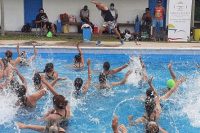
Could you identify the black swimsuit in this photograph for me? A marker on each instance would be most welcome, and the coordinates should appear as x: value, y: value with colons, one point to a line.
x: 51, y: 77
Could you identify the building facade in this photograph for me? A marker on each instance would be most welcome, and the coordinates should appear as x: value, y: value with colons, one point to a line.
x: 19, y: 12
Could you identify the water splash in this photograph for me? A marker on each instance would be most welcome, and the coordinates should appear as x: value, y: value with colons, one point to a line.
x: 191, y: 101
x: 136, y: 67
x: 7, y: 106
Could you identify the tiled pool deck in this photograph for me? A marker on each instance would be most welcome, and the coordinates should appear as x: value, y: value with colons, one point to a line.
x: 106, y: 45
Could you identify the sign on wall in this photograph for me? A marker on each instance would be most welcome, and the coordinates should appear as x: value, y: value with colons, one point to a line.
x: 179, y: 20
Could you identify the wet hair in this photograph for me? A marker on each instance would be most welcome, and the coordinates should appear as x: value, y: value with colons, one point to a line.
x: 48, y: 67
x: 78, y: 82
x: 20, y: 91
x: 112, y: 4
x: 106, y: 66
x: 59, y: 101
x: 8, y: 54
x: 149, y: 106
x: 5, y: 62
x: 37, y: 79
x: 102, y: 77
x: 149, y: 93
x: 77, y: 58
x: 152, y: 127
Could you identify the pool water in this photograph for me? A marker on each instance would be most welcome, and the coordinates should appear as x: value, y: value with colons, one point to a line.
x: 94, y: 112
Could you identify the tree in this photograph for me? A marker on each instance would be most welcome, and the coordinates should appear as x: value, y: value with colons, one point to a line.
x: 2, y: 18
x: 197, y: 10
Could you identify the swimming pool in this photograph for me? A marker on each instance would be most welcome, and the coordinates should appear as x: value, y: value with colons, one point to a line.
x: 94, y: 112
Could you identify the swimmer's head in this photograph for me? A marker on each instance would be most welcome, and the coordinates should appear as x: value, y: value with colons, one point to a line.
x: 8, y: 54
x: 102, y: 78
x: 78, y: 82
x: 77, y: 58
x: 59, y: 102
x: 37, y: 79
x: 152, y: 127
x: 49, y: 67
x: 106, y: 66
x: 149, y: 93
x: 149, y: 106
x: 23, y: 54
x: 21, y: 91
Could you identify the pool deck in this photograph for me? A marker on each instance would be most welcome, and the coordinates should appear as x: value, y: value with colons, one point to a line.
x: 105, y: 45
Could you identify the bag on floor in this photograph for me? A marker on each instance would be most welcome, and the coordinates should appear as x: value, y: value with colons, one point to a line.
x: 26, y: 28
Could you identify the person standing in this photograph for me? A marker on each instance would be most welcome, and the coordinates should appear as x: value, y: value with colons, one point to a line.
x: 109, y: 20
x: 114, y: 11
x: 159, y: 13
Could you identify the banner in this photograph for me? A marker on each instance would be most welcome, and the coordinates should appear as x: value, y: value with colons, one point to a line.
x: 179, y: 20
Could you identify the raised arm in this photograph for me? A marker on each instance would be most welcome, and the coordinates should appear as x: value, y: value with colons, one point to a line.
x: 49, y: 86
x: 100, y: 5
x: 56, y: 80
x: 151, y: 86
x: 34, y: 56
x: 172, y: 90
x: 21, y: 77
x: 88, y: 82
x: 116, y: 70
x: 123, y: 81
x: 172, y: 72
x: 18, y: 50
x: 80, y: 52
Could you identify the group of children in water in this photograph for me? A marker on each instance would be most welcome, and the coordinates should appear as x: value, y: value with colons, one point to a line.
x: 58, y: 116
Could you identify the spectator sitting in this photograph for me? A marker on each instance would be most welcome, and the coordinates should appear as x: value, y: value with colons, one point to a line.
x: 85, y: 16
x: 43, y: 21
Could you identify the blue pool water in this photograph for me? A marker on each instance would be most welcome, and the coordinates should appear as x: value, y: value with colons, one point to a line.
x: 93, y: 113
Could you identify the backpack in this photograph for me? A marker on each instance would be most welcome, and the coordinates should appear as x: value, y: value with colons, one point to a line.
x: 64, y: 18
x: 26, y: 28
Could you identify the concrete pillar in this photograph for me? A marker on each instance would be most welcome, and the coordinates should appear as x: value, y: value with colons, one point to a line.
x: 193, y: 13
x: 2, y: 18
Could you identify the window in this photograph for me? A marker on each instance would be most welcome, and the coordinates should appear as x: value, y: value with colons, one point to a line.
x: 197, y: 10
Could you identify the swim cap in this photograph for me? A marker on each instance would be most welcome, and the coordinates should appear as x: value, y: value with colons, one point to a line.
x: 22, y: 54
x: 102, y: 77
x: 170, y: 83
x: 37, y: 79
x: 8, y: 54
x: 152, y: 127
x: 106, y: 66
x: 78, y: 82
x: 149, y: 93
x: 48, y: 67
x: 21, y: 91
x: 77, y: 58
x: 59, y: 101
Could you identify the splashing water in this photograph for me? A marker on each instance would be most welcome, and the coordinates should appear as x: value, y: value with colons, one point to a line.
x: 191, y: 101
x: 7, y: 106
x: 136, y: 67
